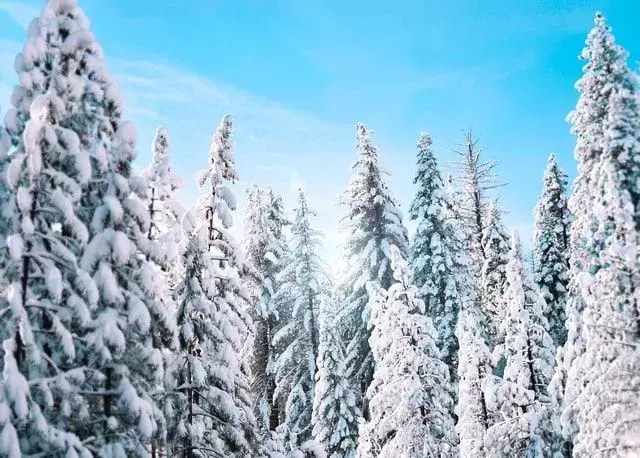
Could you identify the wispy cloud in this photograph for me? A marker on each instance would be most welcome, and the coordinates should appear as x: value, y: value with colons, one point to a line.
x: 492, y: 71
x: 21, y: 13
x: 309, y: 150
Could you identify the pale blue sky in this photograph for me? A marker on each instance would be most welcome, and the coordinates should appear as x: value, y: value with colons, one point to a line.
x: 296, y: 75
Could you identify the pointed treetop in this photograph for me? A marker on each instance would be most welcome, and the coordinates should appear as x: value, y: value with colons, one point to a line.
x: 599, y: 19
x: 161, y: 141
x: 425, y: 141
x: 365, y: 147
x: 221, y: 159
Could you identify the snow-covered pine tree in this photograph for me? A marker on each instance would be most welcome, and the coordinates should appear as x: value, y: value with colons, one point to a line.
x: 165, y: 240
x: 49, y: 296
x: 296, y: 342
x: 265, y: 248
x: 605, y: 71
x: 165, y: 212
x: 7, y: 212
x: 436, y: 257
x: 473, y: 369
x: 607, y: 409
x: 495, y: 243
x: 335, y: 410
x: 519, y: 401
x: 372, y: 222
x: 207, y: 420
x: 475, y: 181
x: 474, y: 364
x: 62, y: 53
x: 129, y: 323
x: 551, y: 247
x: 410, y: 396
x: 223, y: 397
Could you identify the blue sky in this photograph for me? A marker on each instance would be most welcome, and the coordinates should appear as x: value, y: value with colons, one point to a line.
x: 296, y: 75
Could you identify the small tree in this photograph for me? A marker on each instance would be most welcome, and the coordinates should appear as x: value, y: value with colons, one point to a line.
x: 551, y: 247
x: 473, y: 370
x: 266, y: 249
x: 297, y: 341
x: 518, y: 399
x: 335, y: 410
x: 495, y: 242
x: 410, y: 396
x: 165, y: 212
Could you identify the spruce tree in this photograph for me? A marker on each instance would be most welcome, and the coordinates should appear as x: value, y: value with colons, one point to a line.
x: 410, y: 397
x: 165, y: 212
x: 436, y: 254
x: 231, y: 327
x: 335, y: 410
x: 129, y: 326
x: 551, y: 247
x: 61, y: 53
x: 519, y: 400
x: 607, y: 408
x: 266, y: 249
x: 208, y: 418
x: 605, y: 72
x: 372, y: 222
x: 49, y: 296
x: 495, y: 243
x: 474, y: 368
x: 296, y: 342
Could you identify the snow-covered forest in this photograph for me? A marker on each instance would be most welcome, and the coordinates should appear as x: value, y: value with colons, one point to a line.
x: 134, y: 326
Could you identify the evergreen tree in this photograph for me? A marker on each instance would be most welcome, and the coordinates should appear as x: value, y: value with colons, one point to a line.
x: 605, y: 73
x: 7, y: 213
x: 519, y: 399
x: 165, y: 212
x: 266, y: 249
x: 607, y: 407
x: 372, y: 222
x: 209, y: 419
x: 495, y: 243
x: 231, y: 328
x: 551, y: 247
x: 410, y: 396
x: 49, y: 297
x: 62, y: 54
x: 474, y: 367
x: 129, y: 324
x: 335, y: 411
x: 296, y: 342
x: 436, y: 255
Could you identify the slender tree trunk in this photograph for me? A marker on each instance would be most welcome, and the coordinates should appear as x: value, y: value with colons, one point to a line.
x: 189, y: 444
x: 274, y: 414
x: 107, y: 399
x: 151, y: 212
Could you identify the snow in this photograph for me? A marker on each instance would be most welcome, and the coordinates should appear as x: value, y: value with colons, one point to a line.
x: 122, y: 312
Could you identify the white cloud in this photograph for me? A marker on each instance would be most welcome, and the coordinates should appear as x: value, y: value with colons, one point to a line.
x: 20, y: 13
